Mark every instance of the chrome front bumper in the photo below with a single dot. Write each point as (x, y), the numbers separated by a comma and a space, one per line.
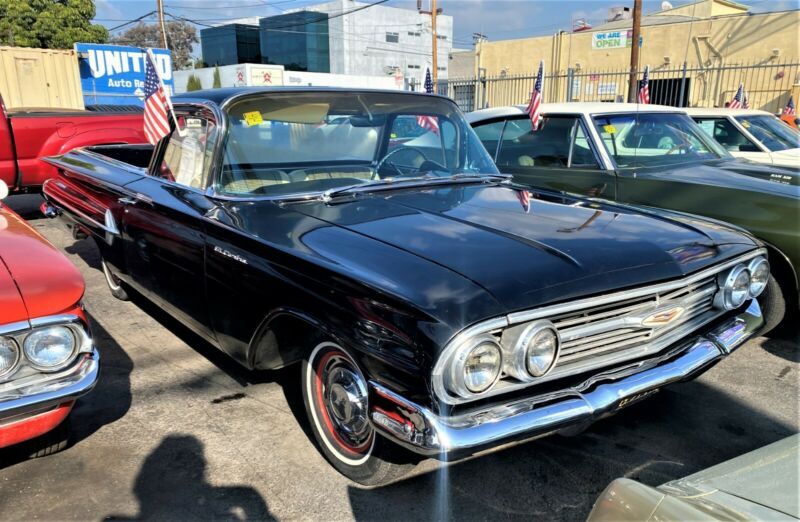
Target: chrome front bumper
(52, 390)
(425, 432)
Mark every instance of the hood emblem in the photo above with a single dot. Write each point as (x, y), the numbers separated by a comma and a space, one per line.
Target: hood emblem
(663, 317)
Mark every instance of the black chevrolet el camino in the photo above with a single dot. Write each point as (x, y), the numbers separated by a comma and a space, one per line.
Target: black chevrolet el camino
(435, 308)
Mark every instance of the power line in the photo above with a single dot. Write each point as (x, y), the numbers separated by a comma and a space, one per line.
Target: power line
(263, 4)
(132, 21)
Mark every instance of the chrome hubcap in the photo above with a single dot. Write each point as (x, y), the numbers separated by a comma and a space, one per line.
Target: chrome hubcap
(346, 401)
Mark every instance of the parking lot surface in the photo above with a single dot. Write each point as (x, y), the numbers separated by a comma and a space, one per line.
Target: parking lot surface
(175, 430)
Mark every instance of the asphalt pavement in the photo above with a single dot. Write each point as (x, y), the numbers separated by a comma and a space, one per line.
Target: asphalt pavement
(175, 431)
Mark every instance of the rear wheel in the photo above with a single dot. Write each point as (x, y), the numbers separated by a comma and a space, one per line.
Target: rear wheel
(336, 400)
(114, 284)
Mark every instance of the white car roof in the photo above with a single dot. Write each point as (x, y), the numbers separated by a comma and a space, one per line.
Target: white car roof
(719, 111)
(588, 108)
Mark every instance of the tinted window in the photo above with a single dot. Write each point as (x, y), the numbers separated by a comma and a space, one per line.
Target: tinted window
(188, 157)
(774, 134)
(559, 142)
(726, 134)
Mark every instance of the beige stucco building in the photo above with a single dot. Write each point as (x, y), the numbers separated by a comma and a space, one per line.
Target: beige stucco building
(715, 38)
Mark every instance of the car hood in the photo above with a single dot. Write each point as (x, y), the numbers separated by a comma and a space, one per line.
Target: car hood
(36, 280)
(536, 249)
(742, 174)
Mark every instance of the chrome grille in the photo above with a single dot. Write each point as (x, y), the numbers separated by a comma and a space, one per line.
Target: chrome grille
(615, 328)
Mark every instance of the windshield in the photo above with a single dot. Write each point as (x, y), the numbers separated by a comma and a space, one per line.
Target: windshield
(655, 139)
(294, 143)
(772, 132)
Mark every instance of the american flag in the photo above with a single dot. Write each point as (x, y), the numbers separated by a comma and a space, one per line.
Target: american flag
(524, 198)
(156, 103)
(789, 110)
(644, 89)
(428, 122)
(535, 105)
(738, 101)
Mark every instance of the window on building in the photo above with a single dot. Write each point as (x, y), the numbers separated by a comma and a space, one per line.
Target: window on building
(441, 36)
(413, 66)
(441, 69)
(413, 33)
(393, 37)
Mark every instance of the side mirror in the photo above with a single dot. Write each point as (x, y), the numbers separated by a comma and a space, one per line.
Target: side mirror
(3, 189)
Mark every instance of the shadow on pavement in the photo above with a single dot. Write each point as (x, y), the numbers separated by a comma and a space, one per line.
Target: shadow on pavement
(172, 485)
(671, 435)
(26, 205)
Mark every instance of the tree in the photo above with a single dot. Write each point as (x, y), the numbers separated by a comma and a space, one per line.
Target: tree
(217, 79)
(193, 83)
(181, 36)
(51, 24)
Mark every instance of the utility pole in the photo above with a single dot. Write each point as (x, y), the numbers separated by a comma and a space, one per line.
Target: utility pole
(434, 12)
(160, 9)
(637, 30)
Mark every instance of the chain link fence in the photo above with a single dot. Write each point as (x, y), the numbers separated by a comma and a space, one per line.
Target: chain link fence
(768, 86)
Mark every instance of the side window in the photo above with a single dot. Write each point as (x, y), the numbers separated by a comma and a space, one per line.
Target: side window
(187, 160)
(726, 134)
(552, 145)
(489, 134)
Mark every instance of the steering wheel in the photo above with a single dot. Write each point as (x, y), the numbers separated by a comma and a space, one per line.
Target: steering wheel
(380, 164)
(679, 147)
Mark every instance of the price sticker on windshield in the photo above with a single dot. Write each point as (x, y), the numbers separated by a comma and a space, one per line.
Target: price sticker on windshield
(745, 124)
(252, 118)
(610, 129)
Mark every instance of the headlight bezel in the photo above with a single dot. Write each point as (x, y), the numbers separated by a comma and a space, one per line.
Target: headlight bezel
(456, 381)
(19, 332)
(726, 282)
(66, 361)
(752, 266)
(516, 345)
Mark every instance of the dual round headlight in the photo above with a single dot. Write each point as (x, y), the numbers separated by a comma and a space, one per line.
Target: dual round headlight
(741, 283)
(531, 352)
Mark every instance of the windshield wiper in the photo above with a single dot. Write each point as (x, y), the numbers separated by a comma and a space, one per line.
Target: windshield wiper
(428, 179)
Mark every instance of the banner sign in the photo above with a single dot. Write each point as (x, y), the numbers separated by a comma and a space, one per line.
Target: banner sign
(114, 74)
(612, 40)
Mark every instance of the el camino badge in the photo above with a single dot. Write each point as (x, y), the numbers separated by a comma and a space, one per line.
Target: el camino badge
(229, 254)
(663, 317)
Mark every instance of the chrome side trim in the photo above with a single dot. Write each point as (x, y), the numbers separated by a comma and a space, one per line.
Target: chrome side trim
(430, 434)
(102, 226)
(494, 325)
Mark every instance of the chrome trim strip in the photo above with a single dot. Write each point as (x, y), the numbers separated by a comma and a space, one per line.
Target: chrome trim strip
(603, 394)
(495, 324)
(54, 389)
(14, 327)
(82, 215)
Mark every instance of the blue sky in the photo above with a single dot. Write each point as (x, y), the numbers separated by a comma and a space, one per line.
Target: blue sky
(497, 19)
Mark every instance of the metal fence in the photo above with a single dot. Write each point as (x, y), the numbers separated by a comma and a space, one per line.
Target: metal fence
(768, 86)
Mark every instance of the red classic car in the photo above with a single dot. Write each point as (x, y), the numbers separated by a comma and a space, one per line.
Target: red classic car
(47, 358)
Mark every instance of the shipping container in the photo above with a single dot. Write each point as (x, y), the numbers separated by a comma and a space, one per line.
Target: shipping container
(39, 78)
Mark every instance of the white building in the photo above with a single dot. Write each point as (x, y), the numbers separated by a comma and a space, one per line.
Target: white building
(381, 40)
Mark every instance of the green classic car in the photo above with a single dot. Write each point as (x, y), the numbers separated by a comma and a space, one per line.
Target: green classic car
(655, 156)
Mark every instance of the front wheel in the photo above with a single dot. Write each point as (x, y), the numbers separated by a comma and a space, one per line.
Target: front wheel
(336, 401)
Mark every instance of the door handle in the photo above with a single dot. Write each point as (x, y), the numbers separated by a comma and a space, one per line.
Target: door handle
(137, 198)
